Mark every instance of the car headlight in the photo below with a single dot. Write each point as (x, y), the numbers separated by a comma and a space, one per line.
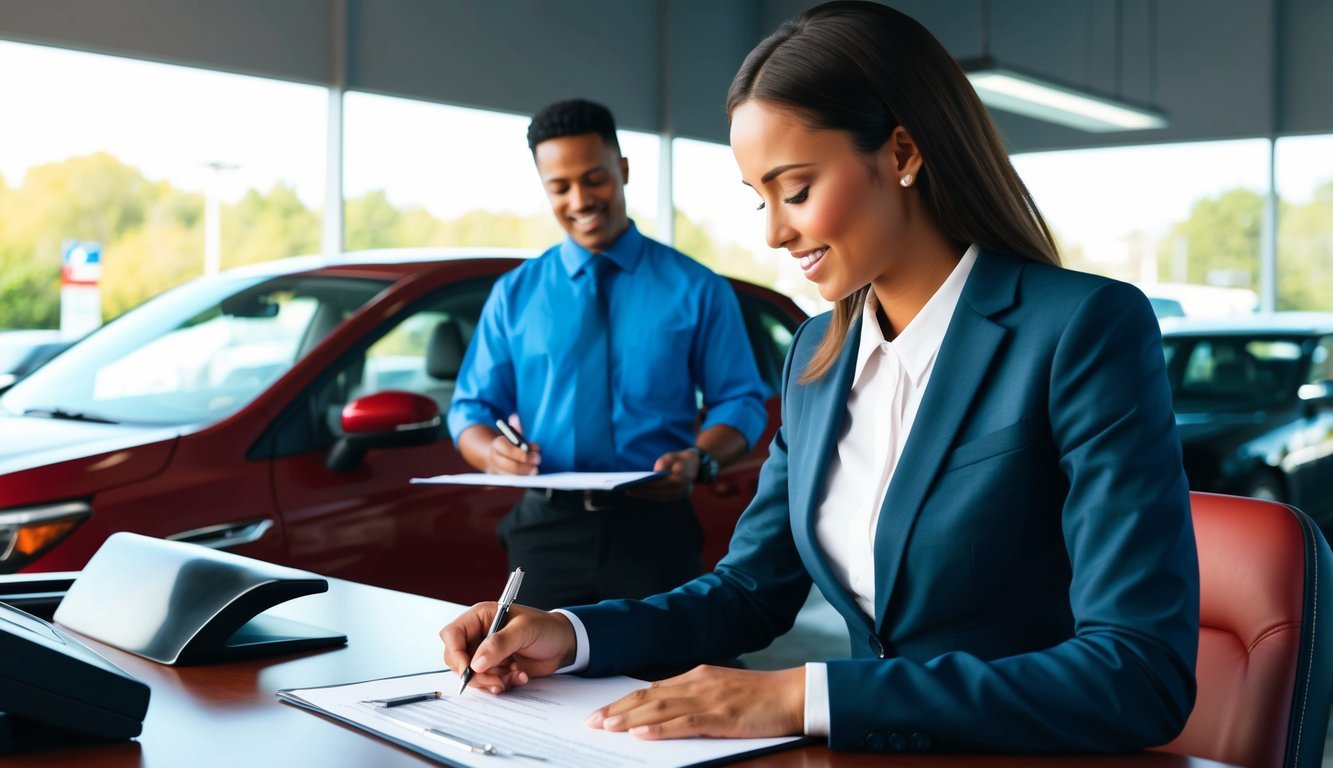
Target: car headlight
(28, 532)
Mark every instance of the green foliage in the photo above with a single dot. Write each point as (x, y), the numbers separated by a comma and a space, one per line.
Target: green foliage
(731, 259)
(1219, 244)
(1220, 241)
(96, 197)
(152, 237)
(1305, 253)
(263, 227)
(373, 222)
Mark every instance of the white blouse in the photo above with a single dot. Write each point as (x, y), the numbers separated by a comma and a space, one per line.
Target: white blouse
(887, 387)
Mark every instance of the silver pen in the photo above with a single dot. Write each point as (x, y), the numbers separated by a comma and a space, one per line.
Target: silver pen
(399, 701)
(506, 600)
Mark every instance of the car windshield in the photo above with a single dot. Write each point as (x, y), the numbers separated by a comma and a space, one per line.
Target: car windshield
(12, 356)
(17, 346)
(193, 355)
(1232, 372)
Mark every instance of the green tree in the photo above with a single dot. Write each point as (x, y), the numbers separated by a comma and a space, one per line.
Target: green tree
(1219, 242)
(723, 257)
(1305, 253)
(96, 197)
(262, 227)
(371, 221)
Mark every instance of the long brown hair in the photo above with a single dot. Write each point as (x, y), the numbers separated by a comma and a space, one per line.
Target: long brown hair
(865, 68)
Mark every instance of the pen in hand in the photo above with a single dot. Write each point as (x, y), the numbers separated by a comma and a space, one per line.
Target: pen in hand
(506, 600)
(512, 435)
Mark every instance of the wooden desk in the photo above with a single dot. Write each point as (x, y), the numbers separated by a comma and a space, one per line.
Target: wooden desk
(227, 714)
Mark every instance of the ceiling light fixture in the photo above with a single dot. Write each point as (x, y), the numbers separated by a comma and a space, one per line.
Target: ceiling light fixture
(1002, 87)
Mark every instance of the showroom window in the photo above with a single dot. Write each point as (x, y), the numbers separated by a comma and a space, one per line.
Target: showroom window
(1304, 172)
(1182, 221)
(125, 155)
(719, 224)
(419, 174)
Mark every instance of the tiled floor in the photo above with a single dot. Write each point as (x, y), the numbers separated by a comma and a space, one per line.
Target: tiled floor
(821, 634)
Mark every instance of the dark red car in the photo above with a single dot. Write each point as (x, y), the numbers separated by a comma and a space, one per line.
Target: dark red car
(213, 414)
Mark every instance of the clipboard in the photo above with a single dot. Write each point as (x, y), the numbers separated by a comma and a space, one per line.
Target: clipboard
(340, 703)
(558, 481)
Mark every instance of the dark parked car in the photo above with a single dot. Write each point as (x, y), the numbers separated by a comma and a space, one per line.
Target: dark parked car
(220, 412)
(1254, 402)
(22, 352)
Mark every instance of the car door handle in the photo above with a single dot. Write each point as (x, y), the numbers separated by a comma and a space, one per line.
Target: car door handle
(225, 535)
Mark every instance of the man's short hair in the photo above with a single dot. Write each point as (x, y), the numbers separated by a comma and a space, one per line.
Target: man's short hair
(571, 118)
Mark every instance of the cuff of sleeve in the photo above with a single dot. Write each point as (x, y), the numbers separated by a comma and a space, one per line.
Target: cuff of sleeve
(581, 652)
(458, 421)
(816, 699)
(750, 422)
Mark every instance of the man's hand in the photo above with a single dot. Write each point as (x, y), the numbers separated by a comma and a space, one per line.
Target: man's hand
(711, 701)
(489, 451)
(531, 643)
(681, 468)
(505, 458)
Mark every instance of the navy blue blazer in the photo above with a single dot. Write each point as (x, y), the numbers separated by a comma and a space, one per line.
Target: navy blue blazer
(1036, 578)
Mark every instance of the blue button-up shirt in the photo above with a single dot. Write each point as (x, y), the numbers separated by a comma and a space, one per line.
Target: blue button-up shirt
(675, 326)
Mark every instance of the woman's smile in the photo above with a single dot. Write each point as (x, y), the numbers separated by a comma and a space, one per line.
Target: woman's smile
(810, 260)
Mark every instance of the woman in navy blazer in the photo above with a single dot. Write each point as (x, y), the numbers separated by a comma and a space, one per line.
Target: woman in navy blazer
(1035, 584)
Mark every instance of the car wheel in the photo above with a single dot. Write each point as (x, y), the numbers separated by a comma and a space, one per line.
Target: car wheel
(1265, 488)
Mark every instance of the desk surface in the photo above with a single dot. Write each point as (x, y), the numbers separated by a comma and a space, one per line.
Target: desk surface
(227, 714)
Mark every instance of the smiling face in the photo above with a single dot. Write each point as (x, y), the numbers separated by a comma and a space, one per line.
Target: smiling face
(585, 178)
(841, 212)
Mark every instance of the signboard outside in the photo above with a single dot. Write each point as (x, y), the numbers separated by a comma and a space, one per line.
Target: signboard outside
(80, 292)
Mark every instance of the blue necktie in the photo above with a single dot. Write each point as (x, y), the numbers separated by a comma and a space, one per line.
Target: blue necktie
(594, 439)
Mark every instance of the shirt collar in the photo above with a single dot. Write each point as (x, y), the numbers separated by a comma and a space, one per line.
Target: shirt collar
(624, 252)
(920, 341)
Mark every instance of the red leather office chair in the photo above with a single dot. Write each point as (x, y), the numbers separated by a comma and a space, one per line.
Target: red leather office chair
(1265, 672)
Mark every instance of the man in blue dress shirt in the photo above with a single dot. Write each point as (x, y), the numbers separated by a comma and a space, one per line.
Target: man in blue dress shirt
(596, 350)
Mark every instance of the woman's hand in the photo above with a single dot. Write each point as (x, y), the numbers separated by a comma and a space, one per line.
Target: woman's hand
(711, 701)
(531, 644)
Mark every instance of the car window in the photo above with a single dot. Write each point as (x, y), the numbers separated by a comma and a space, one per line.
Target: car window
(1232, 371)
(423, 352)
(196, 354)
(1321, 361)
(1165, 308)
(770, 332)
(419, 350)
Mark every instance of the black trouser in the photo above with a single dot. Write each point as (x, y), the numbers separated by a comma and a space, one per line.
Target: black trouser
(577, 548)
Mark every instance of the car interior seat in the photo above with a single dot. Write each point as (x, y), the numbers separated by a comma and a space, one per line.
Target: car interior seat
(444, 356)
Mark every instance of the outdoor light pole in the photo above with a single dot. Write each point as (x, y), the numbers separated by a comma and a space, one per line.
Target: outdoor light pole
(213, 217)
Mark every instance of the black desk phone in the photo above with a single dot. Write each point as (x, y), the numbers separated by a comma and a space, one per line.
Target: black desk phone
(56, 690)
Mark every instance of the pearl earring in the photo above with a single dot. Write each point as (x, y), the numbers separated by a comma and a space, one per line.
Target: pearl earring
(906, 181)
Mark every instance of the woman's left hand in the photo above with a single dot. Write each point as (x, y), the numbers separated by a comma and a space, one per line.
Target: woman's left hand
(711, 701)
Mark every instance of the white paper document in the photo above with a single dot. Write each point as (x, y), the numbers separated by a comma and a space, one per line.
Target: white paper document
(560, 481)
(543, 719)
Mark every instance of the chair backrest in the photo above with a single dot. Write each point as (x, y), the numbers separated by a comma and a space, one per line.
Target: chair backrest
(1264, 670)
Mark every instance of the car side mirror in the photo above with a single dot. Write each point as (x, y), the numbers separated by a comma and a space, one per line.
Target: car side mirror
(388, 419)
(1316, 396)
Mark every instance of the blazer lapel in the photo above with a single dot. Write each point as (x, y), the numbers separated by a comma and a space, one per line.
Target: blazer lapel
(823, 412)
(970, 344)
